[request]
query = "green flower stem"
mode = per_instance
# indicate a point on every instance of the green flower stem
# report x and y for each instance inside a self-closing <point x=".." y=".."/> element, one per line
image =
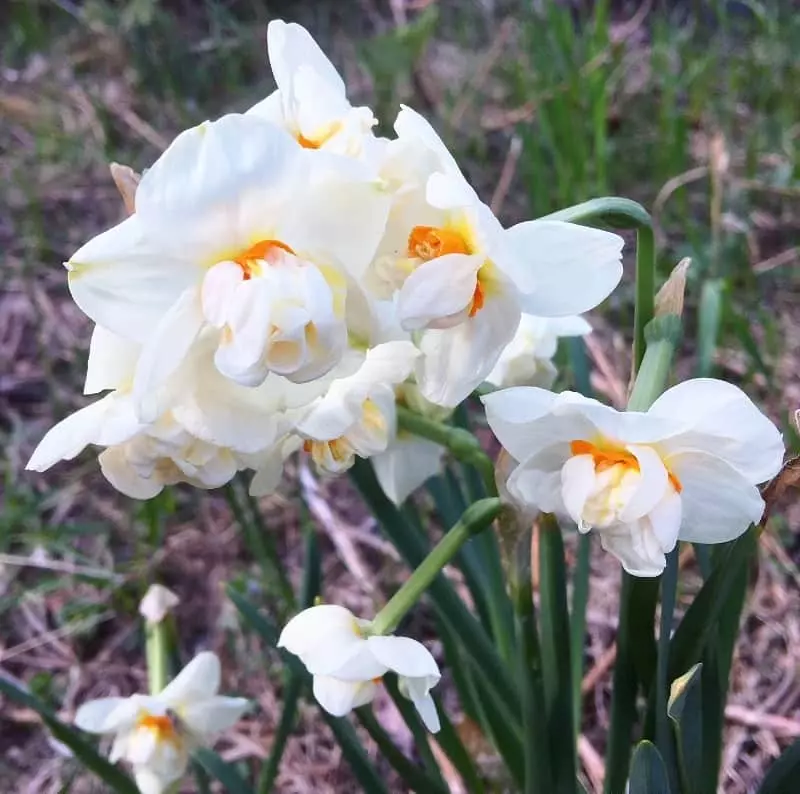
<point x="663" y="335"/>
<point x="475" y="519"/>
<point x="157" y="652"/>
<point x="530" y="675"/>
<point x="464" y="446"/>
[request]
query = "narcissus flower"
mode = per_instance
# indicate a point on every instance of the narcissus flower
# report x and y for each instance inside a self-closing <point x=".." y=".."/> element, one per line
<point x="235" y="231"/>
<point x="357" y="415"/>
<point x="156" y="733"/>
<point x="464" y="280"/>
<point x="685" y="469"/>
<point x="527" y="359"/>
<point x="347" y="663"/>
<point x="311" y="99"/>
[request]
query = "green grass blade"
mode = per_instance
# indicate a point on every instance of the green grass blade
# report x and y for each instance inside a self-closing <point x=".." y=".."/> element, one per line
<point x="685" y="712"/>
<point x="72" y="738"/>
<point x="709" y="315"/>
<point x="222" y="771"/>
<point x="556" y="655"/>
<point x="577" y="624"/>
<point x="785" y="772"/>
<point x="449" y="740"/>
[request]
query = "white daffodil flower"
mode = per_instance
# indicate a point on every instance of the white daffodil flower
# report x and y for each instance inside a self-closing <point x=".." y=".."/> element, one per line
<point x="238" y="231"/>
<point x="527" y="359"/>
<point x="464" y="280"/>
<point x="310" y="101"/>
<point x="208" y="427"/>
<point x="685" y="469"/>
<point x="357" y="415"/>
<point x="347" y="663"/>
<point x="156" y="733"/>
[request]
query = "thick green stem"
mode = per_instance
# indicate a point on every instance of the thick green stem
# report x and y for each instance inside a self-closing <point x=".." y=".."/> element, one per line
<point x="475" y="519"/>
<point x="464" y="446"/>
<point x="157" y="652"/>
<point x="645" y="290"/>
<point x="663" y="335"/>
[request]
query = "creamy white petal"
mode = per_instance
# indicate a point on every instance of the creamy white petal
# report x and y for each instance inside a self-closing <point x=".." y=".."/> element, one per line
<point x="577" y="482"/>
<point x="636" y="547"/>
<point x="123" y="280"/>
<point x="406" y="465"/>
<point x="426" y="709"/>
<point x="112" y="361"/>
<point x="213" y="715"/>
<point x="341" y="697"/>
<point x="652" y="487"/>
<point x="92" y="716"/>
<point x="456" y="360"/>
<point x="404" y="656"/>
<point x="165" y="351"/>
<point x="411" y="125"/>
<point x="116" y="468"/>
<point x="563" y="268"/>
<point x="665" y="519"/>
<point x="304" y="632"/>
<point x="734" y="427"/>
<point x="197" y="681"/>
<point x="148" y="782"/>
<point x="719" y="503"/>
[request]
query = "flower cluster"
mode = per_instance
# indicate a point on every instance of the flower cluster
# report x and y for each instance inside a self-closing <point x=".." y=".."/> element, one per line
<point x="285" y="273"/>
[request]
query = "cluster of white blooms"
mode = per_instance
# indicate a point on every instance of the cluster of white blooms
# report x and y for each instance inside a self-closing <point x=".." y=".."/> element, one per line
<point x="285" y="273"/>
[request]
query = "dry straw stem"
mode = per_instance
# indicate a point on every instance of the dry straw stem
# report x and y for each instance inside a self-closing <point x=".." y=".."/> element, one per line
<point x="126" y="180"/>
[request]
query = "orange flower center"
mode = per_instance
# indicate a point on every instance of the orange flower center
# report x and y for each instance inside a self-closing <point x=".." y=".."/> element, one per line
<point x="323" y="137"/>
<point x="262" y="251"/>
<point x="431" y="242"/>
<point x="162" y="727"/>
<point x="607" y="457"/>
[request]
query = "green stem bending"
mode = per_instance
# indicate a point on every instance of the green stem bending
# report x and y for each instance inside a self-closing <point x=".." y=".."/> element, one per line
<point x="157" y="653"/>
<point x="645" y="290"/>
<point x="474" y="520"/>
<point x="464" y="446"/>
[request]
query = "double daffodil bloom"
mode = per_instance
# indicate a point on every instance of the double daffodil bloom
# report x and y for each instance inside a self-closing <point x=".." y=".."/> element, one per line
<point x="240" y="231"/>
<point x="348" y="664"/>
<point x="156" y="733"/>
<point x="685" y="469"/>
<point x="464" y="280"/>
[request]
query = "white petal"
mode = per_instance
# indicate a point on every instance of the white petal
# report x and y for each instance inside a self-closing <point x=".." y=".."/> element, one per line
<point x="341" y="697"/>
<point x="568" y="326"/>
<point x="563" y="268"/>
<point x="719" y="503"/>
<point x="577" y="482"/>
<point x="303" y="632"/>
<point x="164" y="352"/>
<point x="406" y="465"/>
<point x="404" y="656"/>
<point x="214" y="715"/>
<point x="270" y="108"/>
<point x="457" y="360"/>
<point x="665" y="519"/>
<point x="125" y="282"/>
<point x="426" y="709"/>
<point x="652" y="487"/>
<point x="740" y="433"/>
<point x="636" y="546"/>
<point x="438" y="289"/>
<point x="92" y="716"/>
<point x="449" y="191"/>
<point x="410" y="124"/>
<point x="148" y="782"/>
<point x="116" y="468"/>
<point x="197" y="681"/>
<point x="112" y="361"/>
<point x="218" y="290"/>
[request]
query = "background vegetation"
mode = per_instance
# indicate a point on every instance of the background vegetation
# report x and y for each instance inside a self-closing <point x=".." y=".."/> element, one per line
<point x="691" y="108"/>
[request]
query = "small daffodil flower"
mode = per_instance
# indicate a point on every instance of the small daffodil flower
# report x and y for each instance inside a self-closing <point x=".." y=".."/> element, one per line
<point x="464" y="280"/>
<point x="527" y="360"/>
<point x="155" y="734"/>
<point x="685" y="469"/>
<point x="357" y="415"/>
<point x="310" y="101"/>
<point x="347" y="663"/>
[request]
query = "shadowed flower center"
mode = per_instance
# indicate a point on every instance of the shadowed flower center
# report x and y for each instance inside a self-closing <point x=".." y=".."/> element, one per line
<point x="431" y="242"/>
<point x="263" y="251"/>
<point x="162" y="726"/>
<point x="607" y="456"/>
<point x="319" y="138"/>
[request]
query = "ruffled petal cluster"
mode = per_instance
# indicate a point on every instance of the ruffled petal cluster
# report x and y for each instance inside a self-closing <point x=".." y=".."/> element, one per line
<point x="285" y="272"/>
<point x="347" y="663"/>
<point x="685" y="469"/>
<point x="156" y="733"/>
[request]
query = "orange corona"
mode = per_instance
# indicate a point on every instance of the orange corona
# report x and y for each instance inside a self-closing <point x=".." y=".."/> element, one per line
<point x="162" y="726"/>
<point x="261" y="251"/>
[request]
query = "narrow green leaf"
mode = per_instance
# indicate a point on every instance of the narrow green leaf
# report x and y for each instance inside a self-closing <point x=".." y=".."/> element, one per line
<point x="784" y="773"/>
<point x="648" y="772"/>
<point x="708" y="324"/>
<point x="685" y="710"/>
<point x="222" y="771"/>
<point x="72" y="738"/>
<point x="414" y="777"/>
<point x="556" y="655"/>
<point x="449" y="740"/>
<point x="577" y="627"/>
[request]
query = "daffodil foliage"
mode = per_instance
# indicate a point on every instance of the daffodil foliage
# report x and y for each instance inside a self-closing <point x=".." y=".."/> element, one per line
<point x="289" y="285"/>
